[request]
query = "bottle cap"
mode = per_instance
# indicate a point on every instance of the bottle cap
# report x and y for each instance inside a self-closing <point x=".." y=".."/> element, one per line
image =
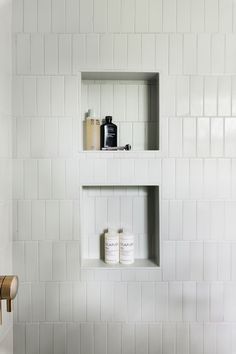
<point x="91" y="113"/>
<point x="108" y="119"/>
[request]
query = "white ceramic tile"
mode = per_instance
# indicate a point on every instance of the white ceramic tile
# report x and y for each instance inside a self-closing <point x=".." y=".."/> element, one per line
<point x="162" y="52"/>
<point x="230" y="221"/>
<point x="229" y="306"/>
<point x="52" y="303"/>
<point x="189" y="53"/>
<point x="168" y="90"/>
<point x="38" y="220"/>
<point x="204" y="53"/>
<point x="182" y="99"/>
<point x="46" y="338"/>
<point x="73" y="338"/>
<point x="37" y="54"/>
<point x="65" y="296"/>
<point x="37" y="137"/>
<point x="217" y="220"/>
<point x="24" y="303"/>
<point x="155" y="16"/>
<point x="19" y="338"/>
<point x="211" y="16"/>
<point x="210" y="261"/>
<point x="58" y="179"/>
<point x="175" y="220"/>
<point x="58" y="16"/>
<point x="44" y="179"/>
<point x="17" y="16"/>
<point x="224" y="96"/>
<point x="64" y="48"/>
<point x="30" y="179"/>
<point x="182" y="336"/>
<point x="79" y="301"/>
<point x="59" y="338"/>
<point x="44" y="16"/>
<point x="189" y="301"/>
<point x="114" y="15"/>
<point x="196" y="96"/>
<point x="203" y="302"/>
<point x="141" y="338"/>
<point x="32" y="338"/>
<point x="30" y="16"/>
<point x="134" y="50"/>
<point x="78" y="52"/>
<point x="233" y="171"/>
<point x="169" y="16"/>
<point x="168" y="338"/>
<point x="230" y="49"/>
<point x="175" y="137"/>
<point x="189" y="137"/>
<point x="203" y="137"/>
<point x="141" y="16"/>
<point x="93" y="301"/>
<point x="175" y="301"/>
<point x="92" y="50"/>
<point x="127" y="15"/>
<point x="43" y="96"/>
<point x="100" y="15"/>
<point x="217" y="53"/>
<point x="45" y="261"/>
<point x="100" y="338"/>
<point x="175" y="54"/>
<point x="225" y="16"/>
<point x="114" y="342"/>
<point x="128" y="338"/>
<point x="217" y="137"/>
<point x="106" y="50"/>
<point x="86" y="16"/>
<point x="197" y="16"/>
<point x="196" y="261"/>
<point x="120" y="301"/>
<point x="216" y="302"/>
<point x="31" y="261"/>
<point x="182" y="261"/>
<point x="18" y="253"/>
<point x="230" y="132"/>
<point x="51" y="54"/>
<point x="23" y="137"/>
<point x="224" y="179"/>
<point x="29" y="91"/>
<point x="148" y="302"/>
<point x="59" y="261"/>
<point x="168" y="260"/>
<point x="209" y="178"/>
<point x="72" y="16"/>
<point x="134" y="301"/>
<point x="38" y="301"/>
<point x="148" y="51"/>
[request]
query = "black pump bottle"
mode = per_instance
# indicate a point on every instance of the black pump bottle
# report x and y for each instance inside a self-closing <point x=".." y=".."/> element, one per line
<point x="108" y="133"/>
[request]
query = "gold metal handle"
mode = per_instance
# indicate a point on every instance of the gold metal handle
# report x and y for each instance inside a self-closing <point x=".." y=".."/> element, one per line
<point x="8" y="291"/>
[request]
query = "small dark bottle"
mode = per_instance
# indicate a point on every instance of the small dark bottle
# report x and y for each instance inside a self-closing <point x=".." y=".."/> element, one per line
<point x="108" y="133"/>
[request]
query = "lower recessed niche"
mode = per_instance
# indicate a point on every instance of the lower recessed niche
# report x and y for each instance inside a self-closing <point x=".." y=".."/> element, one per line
<point x="135" y="208"/>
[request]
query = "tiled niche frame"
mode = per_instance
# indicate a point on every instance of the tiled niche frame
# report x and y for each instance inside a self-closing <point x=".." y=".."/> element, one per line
<point x="117" y="206"/>
<point x="132" y="98"/>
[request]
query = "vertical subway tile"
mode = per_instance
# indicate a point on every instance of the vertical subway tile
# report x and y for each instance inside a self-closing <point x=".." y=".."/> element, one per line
<point x="59" y="261"/>
<point x="79" y="301"/>
<point x="72" y="16"/>
<point x="45" y="261"/>
<point x="65" y="295"/>
<point x="141" y="16"/>
<point x="196" y="338"/>
<point x="216" y="302"/>
<point x="189" y="53"/>
<point x="51" y="54"/>
<point x="211" y="16"/>
<point x="64" y="52"/>
<point x="134" y="50"/>
<point x="92" y="52"/>
<point x="196" y="261"/>
<point x="23" y="53"/>
<point x="168" y="256"/>
<point x="59" y="338"/>
<point x="120" y="51"/>
<point x="182" y="336"/>
<point x="100" y="338"/>
<point x="29" y="100"/>
<point x="168" y="338"/>
<point x="230" y="48"/>
<point x="73" y="338"/>
<point x="175" y="54"/>
<point x="197" y="16"/>
<point x="44" y="16"/>
<point x="17" y="16"/>
<point x="141" y="338"/>
<point x="148" y="51"/>
<point x="182" y="261"/>
<point x="30" y="179"/>
<point x="134" y="301"/>
<point x="31" y="261"/>
<point x="30" y="15"/>
<point x="169" y="16"/>
<point x="217" y="137"/>
<point x="106" y="50"/>
<point x="148" y="292"/>
<point x="230" y="135"/>
<point x="37" y="54"/>
<point x="155" y="16"/>
<point x="224" y="96"/>
<point x="114" y="16"/>
<point x="175" y="137"/>
<point x="218" y="53"/>
<point x="46" y="338"/>
<point x="189" y="137"/>
<point x="168" y="178"/>
<point x="183" y="15"/>
<point x="189" y="301"/>
<point x="204" y="53"/>
<point x="78" y="52"/>
<point x="128" y="338"/>
<point x="210" y="261"/>
<point x="32" y="338"/>
<point x="93" y="301"/>
<point x="87" y="338"/>
<point x="86" y="16"/>
<point x="127" y="15"/>
<point x="203" y="137"/>
<point x="196" y="96"/>
<point x="225" y="16"/>
<point x="203" y="301"/>
<point x="38" y="301"/>
<point x="175" y="301"/>
<point x="44" y="179"/>
<point x="38" y="219"/>
<point x="217" y="220"/>
<point x="120" y="301"/>
<point x="58" y="16"/>
<point x="100" y="15"/>
<point x="43" y="96"/>
<point x="162" y="52"/>
<point x="182" y="96"/>
<point x="114" y="338"/>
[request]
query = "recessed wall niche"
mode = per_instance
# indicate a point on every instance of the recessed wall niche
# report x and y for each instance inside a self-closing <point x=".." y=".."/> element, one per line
<point x="131" y="98"/>
<point x="135" y="208"/>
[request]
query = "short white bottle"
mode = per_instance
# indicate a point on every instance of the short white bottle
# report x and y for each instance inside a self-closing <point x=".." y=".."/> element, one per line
<point x="126" y="248"/>
<point x="111" y="247"/>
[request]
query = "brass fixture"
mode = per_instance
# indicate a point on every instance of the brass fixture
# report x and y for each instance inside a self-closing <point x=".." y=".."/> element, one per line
<point x="8" y="291"/>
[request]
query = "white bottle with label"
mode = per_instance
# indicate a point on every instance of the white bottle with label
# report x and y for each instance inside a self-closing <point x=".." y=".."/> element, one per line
<point x="92" y="131"/>
<point x="111" y="247"/>
<point x="126" y="248"/>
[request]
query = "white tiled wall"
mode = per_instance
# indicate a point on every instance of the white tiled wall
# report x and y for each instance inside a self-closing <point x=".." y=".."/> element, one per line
<point x="188" y="305"/>
<point x="5" y="165"/>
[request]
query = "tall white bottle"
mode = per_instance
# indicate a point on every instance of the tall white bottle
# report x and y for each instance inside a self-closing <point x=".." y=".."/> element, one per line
<point x="126" y="248"/>
<point x="111" y="247"/>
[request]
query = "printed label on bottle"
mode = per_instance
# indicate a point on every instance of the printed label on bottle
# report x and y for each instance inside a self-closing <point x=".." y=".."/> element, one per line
<point x="111" y="250"/>
<point x="126" y="251"/>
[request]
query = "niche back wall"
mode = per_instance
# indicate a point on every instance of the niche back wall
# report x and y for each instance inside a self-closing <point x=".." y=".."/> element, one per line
<point x="187" y="305"/>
